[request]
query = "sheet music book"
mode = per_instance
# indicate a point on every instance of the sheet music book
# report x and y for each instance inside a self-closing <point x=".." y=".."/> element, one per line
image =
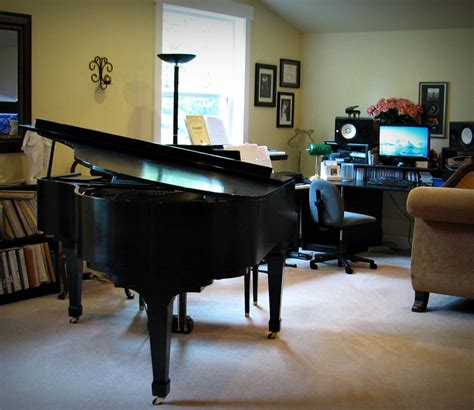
<point x="206" y="130"/>
<point x="197" y="130"/>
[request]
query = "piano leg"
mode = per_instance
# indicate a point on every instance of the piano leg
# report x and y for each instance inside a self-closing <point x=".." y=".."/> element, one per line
<point x="247" y="291"/>
<point x="74" y="283"/>
<point x="255" y="283"/>
<point x="160" y="317"/>
<point x="250" y="272"/>
<point x="62" y="275"/>
<point x="275" y="262"/>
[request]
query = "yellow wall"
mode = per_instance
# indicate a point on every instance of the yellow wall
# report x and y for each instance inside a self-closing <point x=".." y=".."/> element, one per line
<point x="338" y="70"/>
<point x="67" y="34"/>
<point x="273" y="39"/>
<point x="359" y="68"/>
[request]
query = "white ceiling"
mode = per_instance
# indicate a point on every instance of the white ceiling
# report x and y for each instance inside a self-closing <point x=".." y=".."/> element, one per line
<point x="336" y="16"/>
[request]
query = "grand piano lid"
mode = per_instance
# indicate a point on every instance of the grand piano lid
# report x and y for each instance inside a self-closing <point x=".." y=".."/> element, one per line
<point x="164" y="165"/>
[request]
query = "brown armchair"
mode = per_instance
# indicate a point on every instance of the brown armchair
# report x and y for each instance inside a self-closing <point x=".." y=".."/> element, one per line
<point x="442" y="259"/>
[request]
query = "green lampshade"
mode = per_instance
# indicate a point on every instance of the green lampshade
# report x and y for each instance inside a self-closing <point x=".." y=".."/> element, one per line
<point x="319" y="149"/>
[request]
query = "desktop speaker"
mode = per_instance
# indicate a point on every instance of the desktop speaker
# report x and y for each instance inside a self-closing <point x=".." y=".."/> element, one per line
<point x="356" y="131"/>
<point x="461" y="135"/>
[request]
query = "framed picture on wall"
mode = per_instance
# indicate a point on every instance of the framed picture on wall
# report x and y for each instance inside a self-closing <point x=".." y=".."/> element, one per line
<point x="285" y="109"/>
<point x="265" y="85"/>
<point x="290" y="73"/>
<point x="432" y="97"/>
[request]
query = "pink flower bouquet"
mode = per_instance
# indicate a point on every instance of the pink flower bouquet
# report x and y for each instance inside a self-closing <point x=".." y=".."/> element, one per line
<point x="395" y="111"/>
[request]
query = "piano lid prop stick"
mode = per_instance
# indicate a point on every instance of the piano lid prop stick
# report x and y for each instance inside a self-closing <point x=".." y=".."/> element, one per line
<point x="50" y="162"/>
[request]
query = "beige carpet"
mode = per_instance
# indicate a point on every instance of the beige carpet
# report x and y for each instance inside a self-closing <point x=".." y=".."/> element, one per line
<point x="347" y="342"/>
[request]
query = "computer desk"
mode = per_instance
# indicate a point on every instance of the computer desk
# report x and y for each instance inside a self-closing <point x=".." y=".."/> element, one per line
<point x="358" y="196"/>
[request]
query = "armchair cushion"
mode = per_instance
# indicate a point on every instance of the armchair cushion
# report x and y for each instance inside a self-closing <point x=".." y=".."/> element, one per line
<point x="454" y="205"/>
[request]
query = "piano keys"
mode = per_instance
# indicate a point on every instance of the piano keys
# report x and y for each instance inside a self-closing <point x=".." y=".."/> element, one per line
<point x="184" y="219"/>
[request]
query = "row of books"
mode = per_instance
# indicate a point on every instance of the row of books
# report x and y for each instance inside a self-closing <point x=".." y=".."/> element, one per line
<point x="26" y="267"/>
<point x="17" y="214"/>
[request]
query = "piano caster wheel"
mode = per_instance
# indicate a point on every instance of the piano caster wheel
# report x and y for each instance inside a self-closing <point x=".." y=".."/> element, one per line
<point x="158" y="400"/>
<point x="63" y="295"/>
<point x="272" y="335"/>
<point x="186" y="328"/>
<point x="73" y="320"/>
<point x="129" y="294"/>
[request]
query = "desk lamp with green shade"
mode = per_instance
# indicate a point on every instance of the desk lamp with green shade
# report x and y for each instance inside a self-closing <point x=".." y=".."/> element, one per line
<point x="318" y="150"/>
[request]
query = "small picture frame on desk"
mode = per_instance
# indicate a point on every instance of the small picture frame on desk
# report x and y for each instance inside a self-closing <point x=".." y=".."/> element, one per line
<point x="330" y="171"/>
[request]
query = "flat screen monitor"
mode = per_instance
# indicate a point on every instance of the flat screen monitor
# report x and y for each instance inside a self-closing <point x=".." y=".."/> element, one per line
<point x="403" y="145"/>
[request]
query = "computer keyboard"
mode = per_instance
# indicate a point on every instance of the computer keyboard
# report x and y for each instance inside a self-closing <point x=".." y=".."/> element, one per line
<point x="390" y="181"/>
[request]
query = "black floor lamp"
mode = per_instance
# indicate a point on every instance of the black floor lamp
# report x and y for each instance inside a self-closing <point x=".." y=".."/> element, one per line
<point x="176" y="59"/>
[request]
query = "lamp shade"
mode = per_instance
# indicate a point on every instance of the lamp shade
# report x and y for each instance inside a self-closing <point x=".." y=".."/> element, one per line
<point x="319" y="149"/>
<point x="176" y="58"/>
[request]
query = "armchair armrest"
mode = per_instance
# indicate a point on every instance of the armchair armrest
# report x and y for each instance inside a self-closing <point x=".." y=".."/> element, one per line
<point x="453" y="205"/>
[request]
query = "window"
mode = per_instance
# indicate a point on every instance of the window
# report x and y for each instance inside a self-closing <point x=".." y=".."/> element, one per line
<point x="214" y="83"/>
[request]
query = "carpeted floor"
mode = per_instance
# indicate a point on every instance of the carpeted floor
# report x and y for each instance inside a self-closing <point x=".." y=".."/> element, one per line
<point x="347" y="342"/>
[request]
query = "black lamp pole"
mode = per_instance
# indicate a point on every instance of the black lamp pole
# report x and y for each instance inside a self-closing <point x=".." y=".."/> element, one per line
<point x="176" y="59"/>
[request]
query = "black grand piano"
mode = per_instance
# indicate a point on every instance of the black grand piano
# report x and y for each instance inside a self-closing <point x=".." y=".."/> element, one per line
<point x="166" y="220"/>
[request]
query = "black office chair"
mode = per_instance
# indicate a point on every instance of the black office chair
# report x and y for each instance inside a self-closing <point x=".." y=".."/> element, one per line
<point x="327" y="211"/>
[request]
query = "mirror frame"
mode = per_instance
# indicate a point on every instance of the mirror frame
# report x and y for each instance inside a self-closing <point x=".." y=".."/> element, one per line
<point x="21" y="23"/>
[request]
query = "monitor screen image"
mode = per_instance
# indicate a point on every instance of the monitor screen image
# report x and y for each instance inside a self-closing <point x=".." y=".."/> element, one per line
<point x="404" y="142"/>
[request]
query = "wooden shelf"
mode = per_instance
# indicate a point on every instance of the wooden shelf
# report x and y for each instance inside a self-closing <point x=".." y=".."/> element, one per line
<point x="42" y="290"/>
<point x="38" y="238"/>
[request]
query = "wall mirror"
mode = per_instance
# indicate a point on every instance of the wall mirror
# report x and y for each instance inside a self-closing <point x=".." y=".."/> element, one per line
<point x="15" y="78"/>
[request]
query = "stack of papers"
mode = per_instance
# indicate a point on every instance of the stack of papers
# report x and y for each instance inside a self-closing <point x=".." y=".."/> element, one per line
<point x="252" y="153"/>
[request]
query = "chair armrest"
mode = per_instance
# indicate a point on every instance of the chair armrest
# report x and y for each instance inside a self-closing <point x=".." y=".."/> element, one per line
<point x="442" y="204"/>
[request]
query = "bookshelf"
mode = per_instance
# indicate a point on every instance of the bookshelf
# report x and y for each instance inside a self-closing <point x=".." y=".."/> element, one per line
<point x="28" y="258"/>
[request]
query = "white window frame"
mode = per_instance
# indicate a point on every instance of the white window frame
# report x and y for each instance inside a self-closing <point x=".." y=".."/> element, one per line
<point x="214" y="6"/>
